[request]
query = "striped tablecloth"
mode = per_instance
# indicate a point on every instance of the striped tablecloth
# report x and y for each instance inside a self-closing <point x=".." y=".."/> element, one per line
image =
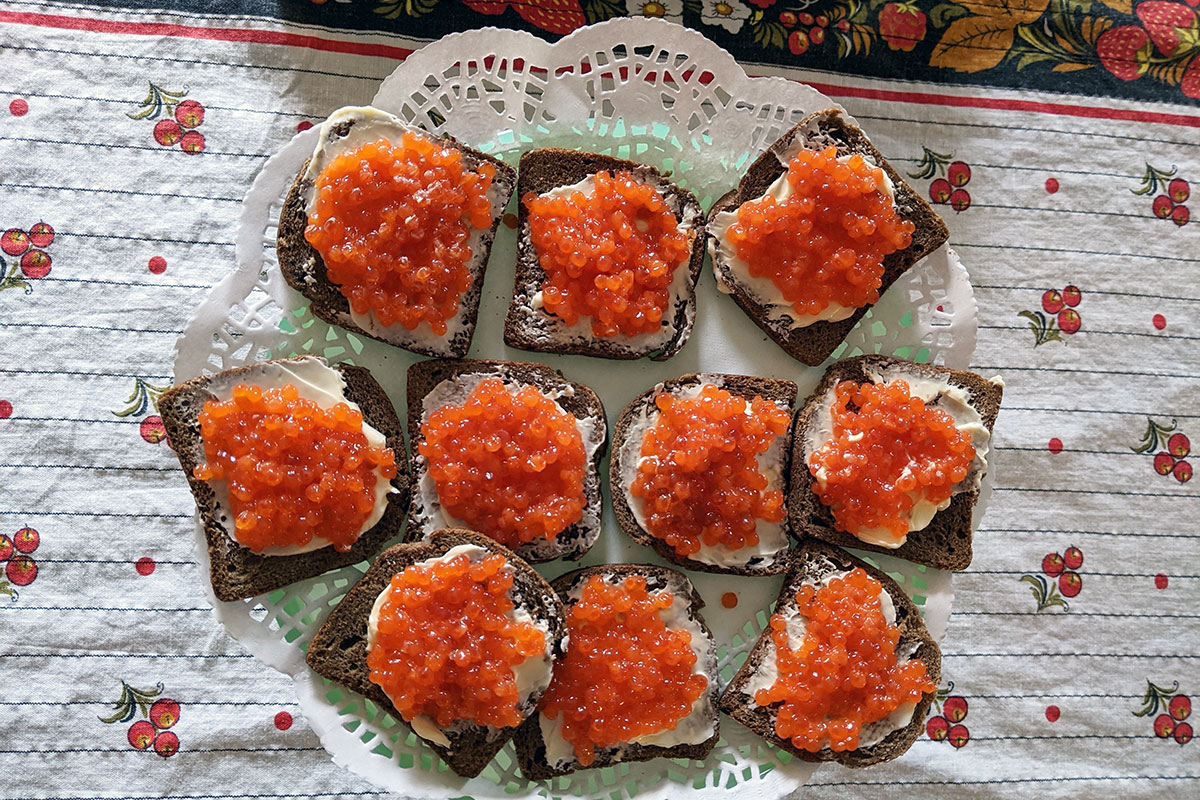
<point x="1074" y="635"/>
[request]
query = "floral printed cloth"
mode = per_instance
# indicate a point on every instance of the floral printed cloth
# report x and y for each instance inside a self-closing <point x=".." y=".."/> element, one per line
<point x="1061" y="142"/>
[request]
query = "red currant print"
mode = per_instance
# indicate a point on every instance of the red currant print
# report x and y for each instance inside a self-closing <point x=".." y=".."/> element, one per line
<point x="145" y="566"/>
<point x="798" y="43"/>
<point x="1052" y="301"/>
<point x="958" y="173"/>
<point x="955" y="708"/>
<point x="1180" y="706"/>
<point x="189" y="114"/>
<point x="192" y="142"/>
<point x="141" y="734"/>
<point x="6" y="548"/>
<point x="152" y="429"/>
<point x="41" y="234"/>
<point x="164" y="713"/>
<point x="1069" y="321"/>
<point x="1173" y="447"/>
<point x="1159" y="321"/>
<point x="807" y="19"/>
<point x="816" y="35"/>
<point x="843" y="25"/>
<point x="160" y="713"/>
<point x="14" y="242"/>
<point x="1180" y="215"/>
<point x="157" y="265"/>
<point x="35" y="264"/>
<point x="958" y="736"/>
<point x="1071" y="296"/>
<point x="1053" y="713"/>
<point x="1178" y="190"/>
<point x="283" y="720"/>
<point x="303" y="126"/>
<point x="1051" y="185"/>
<point x="1073" y="558"/>
<point x="940" y="191"/>
<point x="1164" y="726"/>
<point x="21" y="571"/>
<point x="1055" y="446"/>
<point x="937" y="728"/>
<point x="6" y="409"/>
<point x="1183" y="733"/>
<point x="166" y="744"/>
<point x="26" y="540"/>
<point x="167" y="132"/>
<point x="1161" y="581"/>
<point x="1164" y="462"/>
<point x="788" y="19"/>
<point x="960" y="200"/>
<point x="1052" y="565"/>
<point x="1182" y="472"/>
<point x="1162" y="206"/>
<point x="1179" y="445"/>
<point x="18" y="107"/>
<point x="1069" y="584"/>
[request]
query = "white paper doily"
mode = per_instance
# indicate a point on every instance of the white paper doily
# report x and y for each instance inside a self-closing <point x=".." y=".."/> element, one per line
<point x="665" y="96"/>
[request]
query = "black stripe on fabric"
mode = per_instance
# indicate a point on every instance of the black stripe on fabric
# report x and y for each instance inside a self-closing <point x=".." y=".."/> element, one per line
<point x="1112" y="292"/>
<point x="1169" y="337"/>
<point x="116" y="146"/>
<point x="1045" y="531"/>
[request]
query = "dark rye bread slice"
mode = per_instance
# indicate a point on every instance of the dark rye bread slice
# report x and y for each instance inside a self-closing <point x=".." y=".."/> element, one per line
<point x="946" y="542"/>
<point x="304" y="269"/>
<point x="574" y="398"/>
<point x="530" y="328"/>
<point x="813" y="344"/>
<point x="810" y="564"/>
<point x="237" y="572"/>
<point x="338" y="651"/>
<point x="531" y="747"/>
<point x="781" y="392"/>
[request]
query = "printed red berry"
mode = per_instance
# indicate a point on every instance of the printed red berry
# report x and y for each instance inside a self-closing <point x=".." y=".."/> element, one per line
<point x="1125" y="51"/>
<point x="26" y="540"/>
<point x="1053" y="713"/>
<point x="164" y="713"/>
<point x="787" y="19"/>
<point x="1180" y="706"/>
<point x="157" y="265"/>
<point x="41" y="234"/>
<point x="1051" y="185"/>
<point x="940" y="190"/>
<point x="1180" y="215"/>
<point x="1052" y="301"/>
<point x="955" y="708"/>
<point x="14" y="242"/>
<point x="807" y="19"/>
<point x="1183" y="733"/>
<point x="283" y="720"/>
<point x="822" y="20"/>
<point x="1069" y="321"/>
<point x="1158" y="321"/>
<point x="936" y="728"/>
<point x="958" y="173"/>
<point x="18" y="107"/>
<point x="1052" y="565"/>
<point x="1069" y="584"/>
<point x="1182" y="472"/>
<point x="152" y="429"/>
<point x="1190" y="85"/>
<point x="36" y="264"/>
<point x="960" y="200"/>
<point x="144" y="566"/>
<point x="302" y="126"/>
<point x="1179" y="190"/>
<point x="141" y="734"/>
<point x="1161" y="581"/>
<point x="6" y="548"/>
<point x="189" y="114"/>
<point x="816" y="34"/>
<point x="1073" y="558"/>
<point x="1162" y="21"/>
<point x="959" y="736"/>
<point x="902" y="25"/>
<point x="21" y="571"/>
<point x="6" y="409"/>
<point x="166" y="744"/>
<point x="1055" y="445"/>
<point x="1162" y="206"/>
<point x="1164" y="726"/>
<point x="1164" y="462"/>
<point x="1071" y="296"/>
<point x="192" y="142"/>
<point x="167" y="132"/>
<point x="798" y="42"/>
<point x="843" y="25"/>
<point x="1179" y="445"/>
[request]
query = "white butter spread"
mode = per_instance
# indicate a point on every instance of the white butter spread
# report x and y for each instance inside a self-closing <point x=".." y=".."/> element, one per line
<point x="763" y="289"/>
<point x="951" y="399"/>
<point x="772" y="539"/>
<point x="314" y="380"/>
<point x="532" y="675"/>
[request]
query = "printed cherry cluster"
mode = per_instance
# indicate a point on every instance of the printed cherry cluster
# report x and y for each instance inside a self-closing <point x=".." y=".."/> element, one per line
<point x="950" y="188"/>
<point x="1172" y="446"/>
<point x="159" y="714"/>
<point x="948" y="725"/>
<point x="1064" y="579"/>
<point x="179" y="118"/>
<point x="1059" y="317"/>
<point x="19" y="567"/>
<point x="1171" y="193"/>
<point x="28" y="247"/>
<point x="811" y="29"/>
<point x="1174" y="706"/>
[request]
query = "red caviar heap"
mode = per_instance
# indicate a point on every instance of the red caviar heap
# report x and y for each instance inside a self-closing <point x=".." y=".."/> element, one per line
<point x="294" y="470"/>
<point x="446" y="644"/>
<point x="393" y="223"/>
<point x="825" y="243"/>
<point x="509" y="463"/>
<point x="626" y="674"/>
<point x="699" y="474"/>
<point x="845" y="673"/>
<point x="609" y="254"/>
<point x="888" y="450"/>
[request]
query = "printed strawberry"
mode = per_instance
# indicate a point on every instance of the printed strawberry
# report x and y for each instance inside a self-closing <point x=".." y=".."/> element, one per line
<point x="1125" y="51"/>
<point x="1162" y="21"/>
<point x="902" y="25"/>
<point x="555" y="16"/>
<point x="1191" y="80"/>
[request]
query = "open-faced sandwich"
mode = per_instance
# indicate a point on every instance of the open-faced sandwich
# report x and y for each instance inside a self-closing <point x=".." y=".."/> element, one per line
<point x="456" y="637"/>
<point x="845" y="671"/>
<point x="296" y="467"/>
<point x="610" y="251"/>
<point x="819" y="227"/>
<point x="387" y="231"/>
<point x="888" y="456"/>
<point x="638" y="680"/>
<point x="699" y="472"/>
<point x="509" y="449"/>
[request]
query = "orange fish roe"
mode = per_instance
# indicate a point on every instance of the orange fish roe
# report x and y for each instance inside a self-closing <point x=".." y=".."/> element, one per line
<point x="888" y="450"/>
<point x="446" y="645"/>
<point x="626" y="674"/>
<point x="294" y="470"/>
<point x="826" y="242"/>
<point x="393" y="223"/>
<point x="609" y="254"/>
<point x="845" y="673"/>
<point x="511" y="464"/>
<point x="699" y="474"/>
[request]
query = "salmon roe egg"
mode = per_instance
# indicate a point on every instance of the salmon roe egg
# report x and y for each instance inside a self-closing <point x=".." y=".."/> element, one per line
<point x="393" y="222"/>
<point x="699" y="476"/>
<point x="887" y="451"/>
<point x="844" y="674"/>
<point x="294" y="470"/>
<point x="625" y="674"/>
<point x="609" y="254"/>
<point x="825" y="243"/>
<point x="508" y="462"/>
<point x="446" y="642"/>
